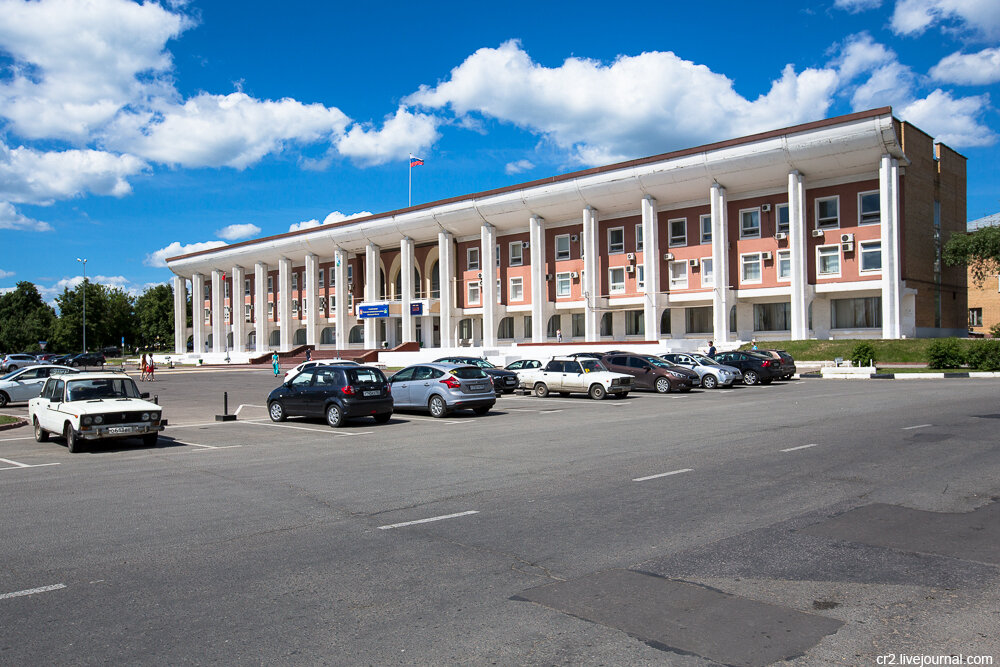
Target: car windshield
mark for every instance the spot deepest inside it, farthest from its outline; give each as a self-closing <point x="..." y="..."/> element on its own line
<point x="591" y="365"/>
<point x="482" y="363"/>
<point x="9" y="375"/>
<point x="702" y="359"/>
<point x="99" y="388"/>
<point x="659" y="363"/>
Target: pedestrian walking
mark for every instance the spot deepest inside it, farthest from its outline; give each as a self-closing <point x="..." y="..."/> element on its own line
<point x="274" y="362"/>
<point x="151" y="368"/>
<point x="558" y="335"/>
<point x="711" y="349"/>
<point x="309" y="355"/>
<point x="143" y="365"/>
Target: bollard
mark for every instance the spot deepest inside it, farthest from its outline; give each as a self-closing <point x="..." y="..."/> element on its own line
<point x="225" y="416"/>
<point x="156" y="399"/>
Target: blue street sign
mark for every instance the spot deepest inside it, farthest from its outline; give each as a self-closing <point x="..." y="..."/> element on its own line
<point x="373" y="310"/>
<point x="416" y="309"/>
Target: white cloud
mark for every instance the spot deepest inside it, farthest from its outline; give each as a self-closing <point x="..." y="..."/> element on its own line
<point x="860" y="53"/>
<point x="10" y="218"/>
<point x="335" y="216"/>
<point x="855" y="6"/>
<point x="158" y="258"/>
<point x="949" y="120"/>
<point x="978" y="17"/>
<point x="50" y="292"/>
<point x="891" y="84"/>
<point x="402" y="133"/>
<point x="5" y="274"/>
<point x="237" y="232"/>
<point x="518" y="167"/>
<point x="970" y="69"/>
<point x="305" y="224"/>
<point x="637" y="105"/>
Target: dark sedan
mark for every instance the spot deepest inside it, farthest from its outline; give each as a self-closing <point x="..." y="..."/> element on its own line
<point x="336" y="393"/>
<point x="756" y="368"/>
<point x="652" y="372"/>
<point x="787" y="363"/>
<point x="86" y="359"/>
<point x="504" y="381"/>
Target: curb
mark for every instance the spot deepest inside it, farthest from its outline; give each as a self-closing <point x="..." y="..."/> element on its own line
<point x="903" y="376"/>
<point x="21" y="421"/>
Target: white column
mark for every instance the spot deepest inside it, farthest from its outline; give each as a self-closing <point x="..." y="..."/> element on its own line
<point x="218" y="321"/>
<point x="406" y="283"/>
<point x="180" y="315"/>
<point x="342" y="297"/>
<point x="538" y="283"/>
<point x="888" y="175"/>
<point x="488" y="266"/>
<point x="236" y="308"/>
<point x="721" y="295"/>
<point x="798" y="237"/>
<point x="260" y="305"/>
<point x="311" y="300"/>
<point x="198" y="312"/>
<point x="590" y="281"/>
<point x="426" y="331"/>
<point x="651" y="268"/>
<point x="286" y="326"/>
<point x="446" y="280"/>
<point x="372" y="265"/>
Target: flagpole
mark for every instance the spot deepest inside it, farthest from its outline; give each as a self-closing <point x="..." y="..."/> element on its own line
<point x="409" y="189"/>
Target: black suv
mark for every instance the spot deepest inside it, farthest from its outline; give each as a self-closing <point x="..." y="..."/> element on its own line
<point x="504" y="381"/>
<point x="86" y="359"/>
<point x="756" y="368"/>
<point x="334" y="392"/>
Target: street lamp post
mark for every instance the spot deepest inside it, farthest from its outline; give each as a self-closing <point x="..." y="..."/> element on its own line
<point x="84" y="302"/>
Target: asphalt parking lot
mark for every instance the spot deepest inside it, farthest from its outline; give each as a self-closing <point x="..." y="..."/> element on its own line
<point x="807" y="522"/>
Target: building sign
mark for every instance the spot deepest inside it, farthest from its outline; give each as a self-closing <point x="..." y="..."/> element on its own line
<point x="416" y="309"/>
<point x="373" y="310"/>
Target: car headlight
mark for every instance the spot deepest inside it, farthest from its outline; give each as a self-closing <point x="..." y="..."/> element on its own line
<point x="87" y="421"/>
<point x="145" y="416"/>
<point x="156" y="416"/>
<point x="98" y="419"/>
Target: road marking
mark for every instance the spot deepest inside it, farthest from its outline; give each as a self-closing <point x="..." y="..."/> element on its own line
<point x="910" y="428"/>
<point x="305" y="428"/>
<point x="793" y="449"/>
<point x="662" y="474"/>
<point x="432" y="419"/>
<point x="433" y="518"/>
<point x="204" y="447"/>
<point x="247" y="405"/>
<point x="14" y="465"/>
<point x="13" y="439"/>
<point x="32" y="591"/>
<point x="193" y="425"/>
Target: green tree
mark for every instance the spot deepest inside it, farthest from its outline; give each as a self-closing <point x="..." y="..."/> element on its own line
<point x="979" y="250"/>
<point x="25" y="319"/>
<point x="154" y="311"/>
<point x="110" y="315"/>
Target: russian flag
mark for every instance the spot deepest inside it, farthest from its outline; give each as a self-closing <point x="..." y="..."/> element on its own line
<point x="415" y="162"/>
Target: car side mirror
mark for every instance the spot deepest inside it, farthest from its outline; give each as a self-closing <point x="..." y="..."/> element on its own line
<point x="144" y="394"/>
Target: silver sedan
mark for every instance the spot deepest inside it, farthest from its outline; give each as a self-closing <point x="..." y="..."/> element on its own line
<point x="26" y="383"/>
<point x="712" y="373"/>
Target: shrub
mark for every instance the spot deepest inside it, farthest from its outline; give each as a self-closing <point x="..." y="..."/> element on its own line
<point x="995" y="330"/>
<point x="945" y="353"/>
<point x="863" y="354"/>
<point x="984" y="355"/>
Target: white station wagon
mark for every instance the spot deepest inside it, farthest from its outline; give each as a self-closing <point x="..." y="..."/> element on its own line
<point x="94" y="406"/>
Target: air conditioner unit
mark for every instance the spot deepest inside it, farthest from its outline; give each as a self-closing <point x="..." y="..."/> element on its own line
<point x="574" y="275"/>
<point x="524" y="244"/>
<point x="668" y="256"/>
<point x="847" y="238"/>
<point x="781" y="236"/>
<point x="630" y="256"/>
<point x="693" y="262"/>
<point x="766" y="256"/>
<point x="629" y="269"/>
<point x="847" y="247"/>
<point x="765" y="207"/>
<point x="574" y="238"/>
<point x="817" y="233"/>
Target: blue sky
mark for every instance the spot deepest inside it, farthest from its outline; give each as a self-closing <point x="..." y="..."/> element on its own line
<point x="131" y="132"/>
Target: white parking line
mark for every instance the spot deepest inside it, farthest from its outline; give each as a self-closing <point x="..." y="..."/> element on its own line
<point x="204" y="447"/>
<point x="13" y="439"/>
<point x="433" y="518"/>
<point x="14" y="465"/>
<point x="910" y="428"/>
<point x="793" y="449"/>
<point x="32" y="591"/>
<point x="662" y="474"/>
<point x="431" y="419"/>
<point x="247" y="405"/>
<point x="327" y="430"/>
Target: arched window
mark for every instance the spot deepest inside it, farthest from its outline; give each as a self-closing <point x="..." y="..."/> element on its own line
<point x="436" y="281"/>
<point x="606" y="325"/>
<point x="506" y="328"/>
<point x="252" y="340"/>
<point x="328" y="336"/>
<point x="300" y="337"/>
<point x="555" y="324"/>
<point x="732" y="318"/>
<point x="416" y="284"/>
<point x="381" y="284"/>
<point x="665" y="323"/>
<point x="465" y="329"/>
<point x="357" y="334"/>
<point x="275" y="339"/>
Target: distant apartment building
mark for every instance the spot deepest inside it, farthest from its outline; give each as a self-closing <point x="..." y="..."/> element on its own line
<point x="984" y="299"/>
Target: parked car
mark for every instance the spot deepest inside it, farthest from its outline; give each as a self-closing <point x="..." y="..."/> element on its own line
<point x="26" y="383"/>
<point x="86" y="359"/>
<point x="587" y="355"/>
<point x="756" y="368"/>
<point x="335" y="392"/>
<point x="11" y="362"/>
<point x="523" y="364"/>
<point x="787" y="363"/>
<point x="712" y="373"/>
<point x="441" y="388"/>
<point x="652" y="372"/>
<point x="568" y="375"/>
<point x="503" y="380"/>
<point x="61" y="359"/>
<point x="292" y="372"/>
<point x="94" y="406"/>
<point x="46" y="357"/>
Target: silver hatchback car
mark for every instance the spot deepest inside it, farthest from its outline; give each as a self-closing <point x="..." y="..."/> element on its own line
<point x="441" y="388"/>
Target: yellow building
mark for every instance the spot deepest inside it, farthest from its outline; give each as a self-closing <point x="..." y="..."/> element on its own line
<point x="984" y="299"/>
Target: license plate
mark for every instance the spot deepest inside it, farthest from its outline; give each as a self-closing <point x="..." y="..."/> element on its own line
<point x="369" y="393"/>
<point x="120" y="429"/>
<point x="477" y="387"/>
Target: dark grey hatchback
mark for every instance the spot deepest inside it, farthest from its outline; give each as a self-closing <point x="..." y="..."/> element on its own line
<point x="336" y="393"/>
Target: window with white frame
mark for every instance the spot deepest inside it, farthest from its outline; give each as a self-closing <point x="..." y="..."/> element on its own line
<point x="225" y="289"/>
<point x="750" y="223"/>
<point x="499" y="291"/>
<point x="350" y="274"/>
<point x="638" y="238"/>
<point x="496" y="251"/>
<point x="678" y="274"/>
<point x="247" y="313"/>
<point x="517" y="289"/>
<point x="707" y="272"/>
<point x="225" y="313"/>
<point x="783" y="221"/>
<point x="208" y="291"/>
<point x="706" y="228"/>
<point x="270" y="310"/>
<point x="208" y="315"/>
<point x="869" y="208"/>
<point x="828" y="212"/>
<point x="333" y="303"/>
<point x="295" y="305"/>
<point x="784" y="265"/>
<point x="828" y="261"/>
<point x="975" y="317"/>
<point x="616" y="279"/>
<point x="474" y="293"/>
<point x="295" y="281"/>
<point x="270" y="284"/>
<point x="322" y="275"/>
<point x="563" y="284"/>
<point x="472" y="259"/>
<point x="640" y="277"/>
<point x="871" y="256"/>
<point x="678" y="231"/>
<point x="635" y="323"/>
<point x="750" y="268"/>
<point x="516" y="250"/>
<point x="246" y="287"/>
<point x="305" y="302"/>
<point x="562" y="246"/>
<point x="616" y="240"/>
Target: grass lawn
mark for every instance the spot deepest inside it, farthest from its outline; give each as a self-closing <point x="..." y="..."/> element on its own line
<point x="6" y="419"/>
<point x="900" y="371"/>
<point x="886" y="351"/>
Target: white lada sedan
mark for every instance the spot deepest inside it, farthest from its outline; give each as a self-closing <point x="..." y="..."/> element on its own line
<point x="94" y="406"/>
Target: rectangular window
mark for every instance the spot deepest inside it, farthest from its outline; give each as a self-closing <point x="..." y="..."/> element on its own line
<point x="516" y="250"/>
<point x="295" y="305"/>
<point x="578" y="325"/>
<point x="208" y="315"/>
<point x="750" y="268"/>
<point x="616" y="279"/>
<point x="706" y="228"/>
<point x="270" y="284"/>
<point x="616" y="240"/>
<point x="322" y="275"/>
<point x="225" y="289"/>
<point x="784" y="265"/>
<point x="562" y="246"/>
<point x="563" y="284"/>
<point x="247" y="313"/>
<point x="871" y="256"/>
<point x="975" y="317"/>
<point x="517" y="289"/>
<point x="208" y="290"/>
<point x="474" y="293"/>
<point x="678" y="274"/>
<point x="862" y="313"/>
<point x="869" y="205"/>
<point x="640" y="277"/>
<point x="225" y="313"/>
<point x="828" y="261"/>
<point x="638" y="238"/>
<point x="333" y="304"/>
<point x="707" y="272"/>
<point x="270" y="310"/>
<point x="750" y="223"/>
<point x="350" y="275"/>
<point x="772" y="316"/>
<point x="246" y="287"/>
<point x="499" y="291"/>
<point x="698" y="320"/>
<point x="828" y="213"/>
<point x="527" y="326"/>
<point x="678" y="231"/>
<point x="472" y="259"/>
<point x="635" y="323"/>
<point x="783" y="219"/>
<point x="295" y="281"/>
<point x="496" y="251"/>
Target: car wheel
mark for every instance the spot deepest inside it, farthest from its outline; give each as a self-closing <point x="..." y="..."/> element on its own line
<point x="382" y="417"/>
<point x="541" y="391"/>
<point x="709" y="382"/>
<point x="751" y="377"/>
<point x="623" y="395"/>
<point x="4" y="399"/>
<point x="662" y="385"/>
<point x="150" y="439"/>
<point x="41" y="435"/>
<point x="11" y="369"/>
<point x="73" y="443"/>
<point x="334" y="415"/>
<point x="437" y="406"/>
<point x="597" y="392"/>
<point x="276" y="411"/>
<point x="482" y="409"/>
